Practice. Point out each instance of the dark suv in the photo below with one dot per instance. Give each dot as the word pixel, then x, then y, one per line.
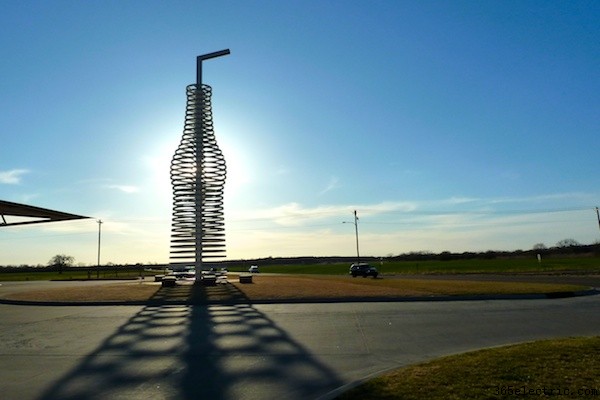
pixel 364 270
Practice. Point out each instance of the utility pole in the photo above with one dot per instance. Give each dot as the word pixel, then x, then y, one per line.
pixel 598 215
pixel 356 232
pixel 99 235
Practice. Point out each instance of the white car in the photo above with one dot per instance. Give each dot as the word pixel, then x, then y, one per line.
pixel 253 269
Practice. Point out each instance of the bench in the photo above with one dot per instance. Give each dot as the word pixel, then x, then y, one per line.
pixel 209 280
pixel 169 281
pixel 245 278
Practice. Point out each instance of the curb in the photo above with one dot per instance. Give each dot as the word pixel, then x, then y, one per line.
pixel 206 302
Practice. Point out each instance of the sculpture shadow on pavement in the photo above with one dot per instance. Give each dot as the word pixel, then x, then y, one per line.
pixel 197 351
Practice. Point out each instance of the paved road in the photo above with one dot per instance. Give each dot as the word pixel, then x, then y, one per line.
pixel 298 351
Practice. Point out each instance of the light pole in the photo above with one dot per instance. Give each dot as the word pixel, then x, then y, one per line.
pixel 355 222
pixel 99 235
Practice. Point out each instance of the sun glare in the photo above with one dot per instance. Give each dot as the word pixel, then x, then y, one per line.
pixel 239 167
pixel 158 162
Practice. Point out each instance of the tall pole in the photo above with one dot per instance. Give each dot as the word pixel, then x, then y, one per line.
pixel 356 230
pixel 99 236
pixel 355 222
pixel 598 215
pixel 199 158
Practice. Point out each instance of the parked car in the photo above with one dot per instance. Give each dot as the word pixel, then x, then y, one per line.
pixel 363 269
pixel 185 273
pixel 253 269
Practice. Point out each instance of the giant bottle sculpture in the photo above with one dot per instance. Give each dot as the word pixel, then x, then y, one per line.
pixel 198 173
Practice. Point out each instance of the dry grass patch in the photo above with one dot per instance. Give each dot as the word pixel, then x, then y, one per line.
pixel 108 292
pixel 327 287
pixel 304 287
pixel 288 287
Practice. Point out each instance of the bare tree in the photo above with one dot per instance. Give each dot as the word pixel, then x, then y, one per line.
pixel 60 261
pixel 568 243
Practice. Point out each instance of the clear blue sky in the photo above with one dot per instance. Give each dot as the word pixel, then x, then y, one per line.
pixel 448 125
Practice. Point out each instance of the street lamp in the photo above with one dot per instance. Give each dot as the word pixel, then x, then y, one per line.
pixel 99 235
pixel 355 222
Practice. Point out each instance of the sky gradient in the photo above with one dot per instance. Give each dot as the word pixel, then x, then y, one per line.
pixel 447 125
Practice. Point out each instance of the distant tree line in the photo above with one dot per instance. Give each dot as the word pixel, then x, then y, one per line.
pixel 565 247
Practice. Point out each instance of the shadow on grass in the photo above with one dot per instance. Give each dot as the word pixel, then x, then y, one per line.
pixel 197 351
pixel 194 294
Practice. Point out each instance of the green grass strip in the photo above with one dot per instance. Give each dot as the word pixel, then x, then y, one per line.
pixel 565 368
pixel 498 265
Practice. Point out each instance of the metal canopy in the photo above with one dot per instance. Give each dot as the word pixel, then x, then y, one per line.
pixel 41 215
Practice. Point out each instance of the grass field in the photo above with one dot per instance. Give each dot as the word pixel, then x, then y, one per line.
pixel 565 368
pixel 499 265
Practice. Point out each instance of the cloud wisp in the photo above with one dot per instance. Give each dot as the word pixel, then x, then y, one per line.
pixel 295 214
pixel 12 177
pixel 129 189
pixel 398 233
pixel 331 185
